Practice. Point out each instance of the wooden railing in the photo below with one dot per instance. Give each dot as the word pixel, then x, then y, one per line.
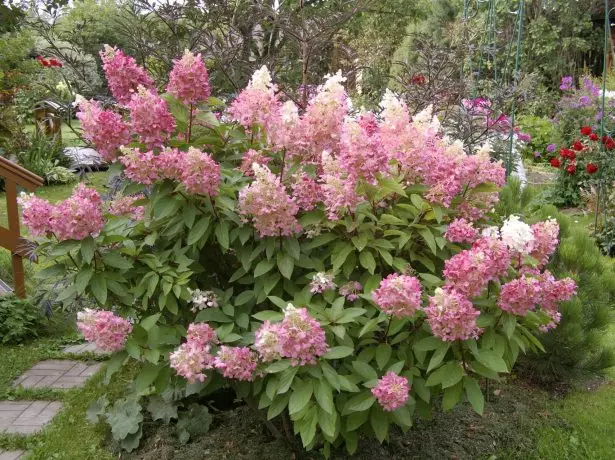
pixel 10 238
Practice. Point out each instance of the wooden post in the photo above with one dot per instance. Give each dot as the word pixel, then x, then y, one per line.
pixel 10 238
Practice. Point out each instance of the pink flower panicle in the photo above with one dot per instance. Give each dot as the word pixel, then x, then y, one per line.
pixel 140 166
pixel 107 330
pixel 265 200
pixel 257 104
pixel 249 158
pixel 190 360
pixel 301 338
pixel 267 343
pixel 461 231
pixel 103 128
pixel 193 357
pixel 339 192
pixel 350 290
pixel 200 174
pixel 392 391
pixel 36 213
pixel 362 153
pixel 398 295
pixel 306 192
pixel 123 74
pixel 169 164
pixel 469 271
pixel 75 218
pixel 151 118
pixel 322 282
pixel 520 295
pixel 452 316
pixel 236 362
pixel 189 80
pixel 124 206
pixel 545 240
pixel 201 334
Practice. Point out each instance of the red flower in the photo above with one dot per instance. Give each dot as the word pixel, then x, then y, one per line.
pixel 593 137
pixel 567 153
pixel 577 145
pixel 555 162
pixel 586 130
pixel 54 62
pixel 418 79
pixel 591 168
pixel 608 142
pixel 45 63
pixel 39 58
pixel 571 168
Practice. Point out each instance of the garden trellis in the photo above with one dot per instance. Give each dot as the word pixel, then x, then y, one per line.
pixel 488 55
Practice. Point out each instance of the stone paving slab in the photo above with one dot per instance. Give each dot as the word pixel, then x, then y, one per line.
pixel 57 374
pixel 11 454
pixel 82 348
pixel 26 417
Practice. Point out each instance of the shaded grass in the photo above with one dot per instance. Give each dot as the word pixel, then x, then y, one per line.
pixel 69 137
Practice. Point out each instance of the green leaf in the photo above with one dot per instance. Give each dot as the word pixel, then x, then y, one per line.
pixel 367 261
pixel 195 422
pixel 278 366
pixel 149 322
pixel 277 406
pixel 263 267
pixel 198 231
pixel 146 377
pixel 212 314
pixel 324 396
pixel 380 423
pixel 452 395
pixel 438 356
pixel 364 370
pixel 300 396
pixel 383 354
pixel 338 352
pixel 491 360
pixel 421 389
pixel 165 206
pixel 98 286
pixel 427 344
pixel 88 246
pixel 243 298
pixel 285 264
pixel 222 234
pixel 124 417
pixel 338 259
pixel 161 409
pixel 115 260
pixel 268 315
pixel 360 402
pixel 82 279
pixel 447 375
pixel 429 239
pixel 474 395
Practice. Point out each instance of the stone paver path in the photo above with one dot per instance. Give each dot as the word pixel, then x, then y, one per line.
pixel 26 417
pixel 11 455
pixel 57 374
pixel 82 348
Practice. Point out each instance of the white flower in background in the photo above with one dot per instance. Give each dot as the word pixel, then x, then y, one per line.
pixel 392 106
pixel 289 112
pixel 425 119
pixel 261 79
pixel 322 282
pixel 518 235
pixel 201 300
pixel 333 85
pixel 485 150
pixel 491 232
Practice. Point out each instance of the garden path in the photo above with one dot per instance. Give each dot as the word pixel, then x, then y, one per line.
pixel 26 417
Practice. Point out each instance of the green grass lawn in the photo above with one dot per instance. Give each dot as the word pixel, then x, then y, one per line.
pixel 69 137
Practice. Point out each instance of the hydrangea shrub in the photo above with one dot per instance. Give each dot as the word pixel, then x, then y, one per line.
pixel 335 268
